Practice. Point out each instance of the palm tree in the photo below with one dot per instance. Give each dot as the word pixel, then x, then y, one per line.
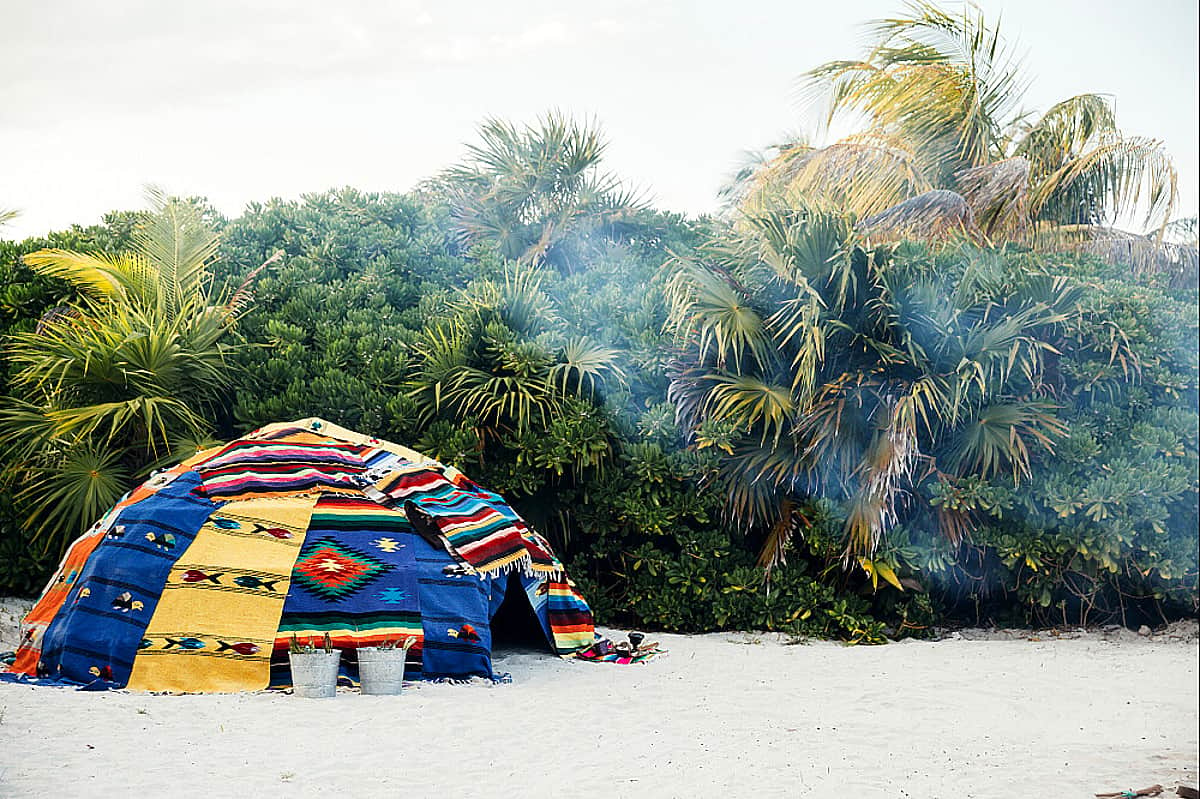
pixel 883 379
pixel 124 377
pixel 537 192
pixel 499 359
pixel 943 146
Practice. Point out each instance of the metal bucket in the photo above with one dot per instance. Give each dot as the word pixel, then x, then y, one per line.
pixel 381 671
pixel 314 674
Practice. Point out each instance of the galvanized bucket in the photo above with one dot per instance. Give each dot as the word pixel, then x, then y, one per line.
pixel 314 674
pixel 381 671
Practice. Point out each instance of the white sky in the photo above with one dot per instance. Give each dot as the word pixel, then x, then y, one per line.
pixel 240 101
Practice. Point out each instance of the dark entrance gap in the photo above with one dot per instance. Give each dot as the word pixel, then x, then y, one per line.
pixel 515 627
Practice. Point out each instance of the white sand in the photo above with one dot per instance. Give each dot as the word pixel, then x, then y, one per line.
pixel 721 715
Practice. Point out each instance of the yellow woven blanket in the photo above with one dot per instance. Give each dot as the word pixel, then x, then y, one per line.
pixel 215 624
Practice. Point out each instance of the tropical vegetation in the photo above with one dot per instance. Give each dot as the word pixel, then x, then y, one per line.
pixel 537 193
pixel 880 378
pixel 836 410
pixel 124 375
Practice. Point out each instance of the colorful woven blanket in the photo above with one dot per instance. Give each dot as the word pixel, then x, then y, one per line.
pixel 198 579
pixel 477 524
pixel 565 616
pixel 98 631
pixel 66 577
pixel 355 579
pixel 255 469
pixel 215 625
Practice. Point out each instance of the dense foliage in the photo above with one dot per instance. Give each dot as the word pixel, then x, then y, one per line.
pixel 1106 528
pixel 827 369
pixel 769 423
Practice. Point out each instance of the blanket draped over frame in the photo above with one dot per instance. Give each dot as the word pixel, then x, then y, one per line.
pixel 197 578
pixel 215 624
pixel 355 579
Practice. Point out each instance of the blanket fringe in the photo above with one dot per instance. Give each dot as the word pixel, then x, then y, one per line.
pixel 525 563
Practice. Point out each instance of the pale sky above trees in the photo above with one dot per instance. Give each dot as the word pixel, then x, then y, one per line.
pixel 240 102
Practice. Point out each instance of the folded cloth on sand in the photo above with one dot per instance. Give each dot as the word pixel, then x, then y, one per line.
pixel 605 651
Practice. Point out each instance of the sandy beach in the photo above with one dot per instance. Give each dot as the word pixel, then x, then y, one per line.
pixel 973 715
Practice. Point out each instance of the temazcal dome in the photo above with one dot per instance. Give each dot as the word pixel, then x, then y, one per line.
pixel 199 578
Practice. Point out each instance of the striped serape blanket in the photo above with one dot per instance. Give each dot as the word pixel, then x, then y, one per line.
pixel 480 527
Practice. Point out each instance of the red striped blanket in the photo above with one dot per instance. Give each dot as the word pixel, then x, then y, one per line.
pixel 479 526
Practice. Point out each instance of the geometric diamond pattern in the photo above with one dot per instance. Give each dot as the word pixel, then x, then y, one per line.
pixel 335 571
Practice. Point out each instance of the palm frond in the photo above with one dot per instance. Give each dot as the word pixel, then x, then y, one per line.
pixel 1001 438
pixel 955 525
pixel 517 300
pixel 69 494
pixel 25 431
pixel 1142 254
pixel 998 195
pixel 441 351
pixel 125 277
pixel 242 298
pixel 754 478
pixel 180 245
pixel 721 319
pixel 533 190
pixel 942 88
pixel 154 417
pixel 1115 174
pixel 863 174
pixel 508 403
pixel 831 430
pixel 585 364
pixel 883 476
pixel 934 215
pixel 1065 131
pixel 807 246
pixel 1182 231
pixel 788 522
pixel 798 324
pixel 750 403
pixel 945 83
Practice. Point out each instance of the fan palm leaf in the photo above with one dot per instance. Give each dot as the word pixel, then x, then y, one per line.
pixel 1000 437
pixel 72 493
pixel 876 367
pixel 585 365
pixel 533 190
pixel 750 403
pixel 725 324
